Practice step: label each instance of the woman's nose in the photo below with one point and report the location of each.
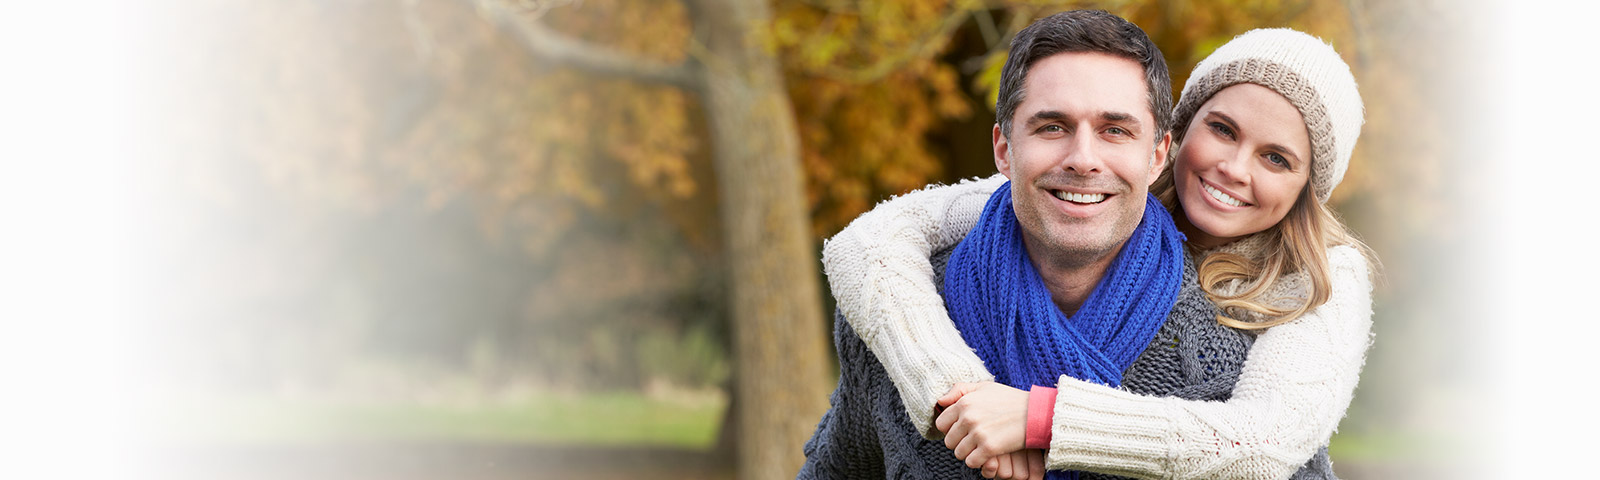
(1236, 168)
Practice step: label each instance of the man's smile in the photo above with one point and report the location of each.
(1082, 198)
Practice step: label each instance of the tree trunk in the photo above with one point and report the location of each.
(779, 353)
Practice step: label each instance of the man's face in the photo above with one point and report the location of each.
(1081, 156)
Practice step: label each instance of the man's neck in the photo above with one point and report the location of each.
(1070, 277)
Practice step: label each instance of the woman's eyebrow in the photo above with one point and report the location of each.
(1293, 157)
(1225, 119)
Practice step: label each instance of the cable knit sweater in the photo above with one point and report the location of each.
(1290, 392)
(866, 434)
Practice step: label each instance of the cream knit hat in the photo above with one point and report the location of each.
(1302, 69)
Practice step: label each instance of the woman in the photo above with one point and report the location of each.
(1263, 132)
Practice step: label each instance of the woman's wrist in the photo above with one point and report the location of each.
(1041, 409)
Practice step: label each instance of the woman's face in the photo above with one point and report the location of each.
(1242, 164)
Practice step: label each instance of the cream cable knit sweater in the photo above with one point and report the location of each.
(1293, 389)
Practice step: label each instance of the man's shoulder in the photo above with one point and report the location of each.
(1192, 303)
(940, 261)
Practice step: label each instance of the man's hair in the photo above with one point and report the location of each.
(1084, 31)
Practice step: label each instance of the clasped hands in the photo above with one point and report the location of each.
(985, 424)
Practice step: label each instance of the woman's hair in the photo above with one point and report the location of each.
(1298, 243)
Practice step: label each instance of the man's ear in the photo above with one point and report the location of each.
(1159, 162)
(1002, 152)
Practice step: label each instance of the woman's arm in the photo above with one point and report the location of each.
(1293, 389)
(879, 272)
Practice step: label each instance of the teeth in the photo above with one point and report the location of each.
(1222, 197)
(1081, 197)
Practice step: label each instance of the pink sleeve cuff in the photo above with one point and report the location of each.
(1041, 409)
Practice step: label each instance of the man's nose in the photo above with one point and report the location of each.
(1083, 153)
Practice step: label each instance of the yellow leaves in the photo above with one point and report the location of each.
(652, 139)
(867, 89)
(348, 109)
(865, 43)
(948, 99)
(477, 118)
(652, 30)
(864, 142)
(988, 79)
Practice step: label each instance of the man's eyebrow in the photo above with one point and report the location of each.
(1043, 116)
(1117, 116)
(1124, 118)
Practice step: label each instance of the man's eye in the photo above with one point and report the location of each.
(1117, 131)
(1052, 129)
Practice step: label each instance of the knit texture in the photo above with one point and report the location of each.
(866, 434)
(1005, 312)
(1307, 72)
(876, 269)
(1287, 400)
(1288, 292)
(893, 296)
(1195, 358)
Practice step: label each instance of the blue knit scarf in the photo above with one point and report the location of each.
(1005, 313)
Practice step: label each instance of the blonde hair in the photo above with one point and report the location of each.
(1298, 243)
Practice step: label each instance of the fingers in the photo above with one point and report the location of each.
(975, 451)
(946, 419)
(955, 392)
(1005, 465)
(1035, 463)
(954, 431)
(991, 468)
(1019, 465)
(950, 396)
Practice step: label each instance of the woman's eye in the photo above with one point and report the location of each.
(1221, 129)
(1278, 160)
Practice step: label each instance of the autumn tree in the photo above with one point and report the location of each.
(778, 349)
(754, 127)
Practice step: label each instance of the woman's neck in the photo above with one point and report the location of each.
(1198, 239)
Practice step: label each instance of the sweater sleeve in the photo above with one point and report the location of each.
(880, 275)
(1293, 389)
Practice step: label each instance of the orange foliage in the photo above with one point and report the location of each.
(430, 95)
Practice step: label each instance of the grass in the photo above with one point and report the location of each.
(608, 419)
(1393, 446)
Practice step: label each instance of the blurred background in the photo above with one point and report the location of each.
(555, 238)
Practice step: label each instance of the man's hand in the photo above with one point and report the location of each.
(1025, 464)
(983, 420)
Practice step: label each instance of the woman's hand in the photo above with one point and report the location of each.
(983, 420)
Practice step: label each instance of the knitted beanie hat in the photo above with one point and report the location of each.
(1302, 69)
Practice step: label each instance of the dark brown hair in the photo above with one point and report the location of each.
(1084, 31)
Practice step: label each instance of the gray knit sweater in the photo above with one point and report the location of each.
(866, 433)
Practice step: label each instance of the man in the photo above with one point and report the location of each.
(1081, 132)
